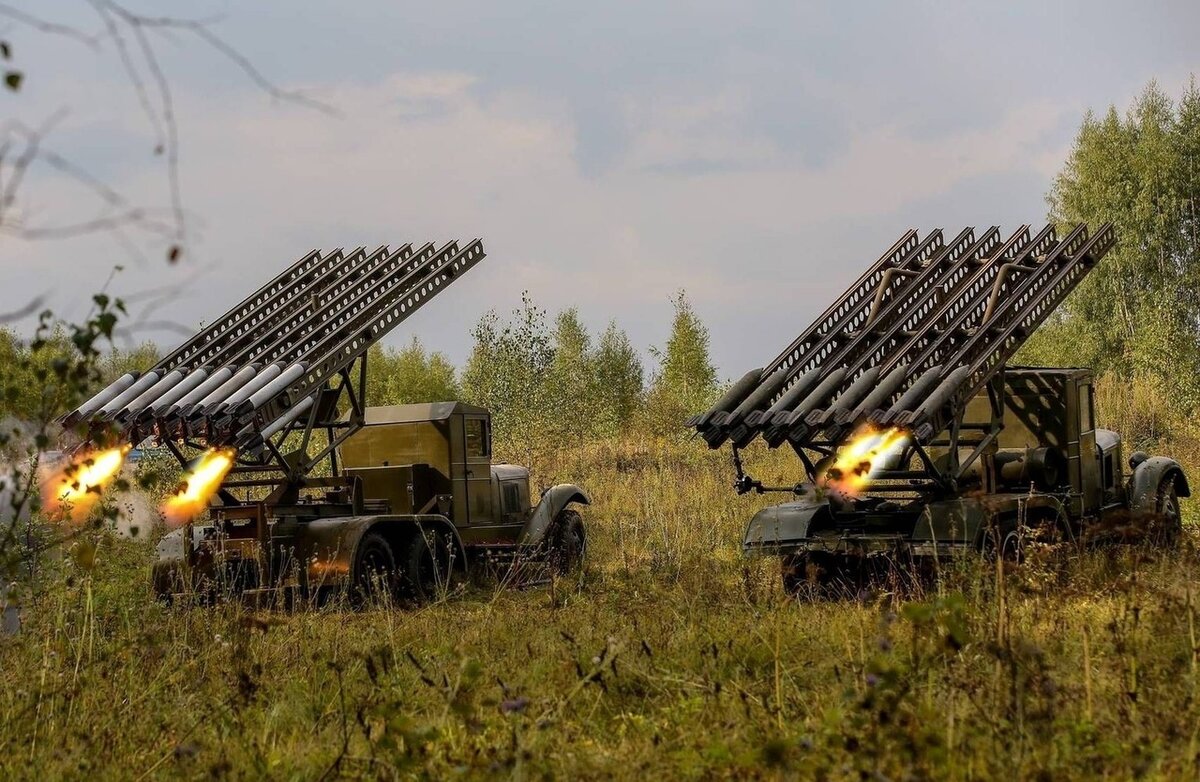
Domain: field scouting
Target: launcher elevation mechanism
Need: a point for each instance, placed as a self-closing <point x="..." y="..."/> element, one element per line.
<point x="291" y="358"/>
<point x="928" y="327"/>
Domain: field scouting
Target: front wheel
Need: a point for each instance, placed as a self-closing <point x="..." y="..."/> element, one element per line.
<point x="1005" y="540"/>
<point x="818" y="574"/>
<point x="568" y="542"/>
<point x="1168" y="527"/>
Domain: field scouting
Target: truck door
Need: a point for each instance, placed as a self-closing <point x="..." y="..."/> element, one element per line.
<point x="477" y="448"/>
<point x="1085" y="462"/>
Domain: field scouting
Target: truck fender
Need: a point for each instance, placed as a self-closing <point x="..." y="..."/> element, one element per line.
<point x="549" y="506"/>
<point x="1148" y="476"/>
<point x="329" y="546"/>
<point x="778" y="529"/>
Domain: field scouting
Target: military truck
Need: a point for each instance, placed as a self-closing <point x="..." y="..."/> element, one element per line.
<point x="419" y="504"/>
<point x="918" y="440"/>
<point x="294" y="485"/>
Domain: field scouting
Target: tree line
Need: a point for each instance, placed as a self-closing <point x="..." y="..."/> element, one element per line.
<point x="550" y="379"/>
<point x="544" y="379"/>
<point x="1135" y="319"/>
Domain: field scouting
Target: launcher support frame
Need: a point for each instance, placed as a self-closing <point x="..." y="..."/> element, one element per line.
<point x="934" y="480"/>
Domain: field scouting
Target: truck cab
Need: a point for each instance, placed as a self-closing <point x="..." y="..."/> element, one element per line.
<point x="437" y="457"/>
<point x="1049" y="442"/>
<point x="1048" y="439"/>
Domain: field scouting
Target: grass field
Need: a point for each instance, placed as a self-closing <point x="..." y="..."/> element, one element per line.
<point x="670" y="657"/>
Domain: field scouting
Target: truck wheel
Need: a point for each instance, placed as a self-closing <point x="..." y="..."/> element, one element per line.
<point x="1004" y="539"/>
<point x="427" y="565"/>
<point x="374" y="569"/>
<point x="814" y="574"/>
<point x="797" y="576"/>
<point x="1168" y="526"/>
<point x="568" y="542"/>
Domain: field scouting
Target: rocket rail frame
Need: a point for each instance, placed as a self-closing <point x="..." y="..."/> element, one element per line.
<point x="928" y="327"/>
<point x="289" y="360"/>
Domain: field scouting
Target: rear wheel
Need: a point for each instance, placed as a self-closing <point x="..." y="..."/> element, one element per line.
<point x="1004" y="539"/>
<point x="374" y="574"/>
<point x="1168" y="523"/>
<point x="428" y="565"/>
<point x="568" y="542"/>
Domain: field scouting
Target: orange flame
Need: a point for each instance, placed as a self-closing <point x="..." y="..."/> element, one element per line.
<point x="860" y="457"/>
<point x="70" y="492"/>
<point x="198" y="486"/>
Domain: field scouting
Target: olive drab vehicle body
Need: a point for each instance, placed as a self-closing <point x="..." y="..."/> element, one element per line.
<point x="416" y="476"/>
<point x="918" y="438"/>
<point x="1050" y="467"/>
<point x="320" y="492"/>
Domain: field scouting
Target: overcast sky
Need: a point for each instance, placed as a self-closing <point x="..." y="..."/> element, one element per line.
<point x="758" y="155"/>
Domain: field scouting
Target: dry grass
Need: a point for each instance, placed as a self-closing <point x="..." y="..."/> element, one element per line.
<point x="671" y="656"/>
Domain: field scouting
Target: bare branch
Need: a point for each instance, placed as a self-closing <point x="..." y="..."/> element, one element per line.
<point x="34" y="139"/>
<point x="30" y="308"/>
<point x="71" y="230"/>
<point x="168" y="114"/>
<point x="55" y="160"/>
<point x="121" y="22"/>
<point x="130" y="246"/>
<point x="200" y="29"/>
<point x="35" y="150"/>
<point x="52" y="28"/>
<point x="135" y="78"/>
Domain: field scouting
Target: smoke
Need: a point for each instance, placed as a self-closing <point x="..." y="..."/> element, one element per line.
<point x="137" y="514"/>
<point x="9" y="497"/>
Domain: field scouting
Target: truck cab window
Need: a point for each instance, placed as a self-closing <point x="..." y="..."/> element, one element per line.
<point x="478" y="444"/>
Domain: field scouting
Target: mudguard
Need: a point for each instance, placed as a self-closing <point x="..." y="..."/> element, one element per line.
<point x="1148" y="476"/>
<point x="775" y="529"/>
<point x="549" y="506"/>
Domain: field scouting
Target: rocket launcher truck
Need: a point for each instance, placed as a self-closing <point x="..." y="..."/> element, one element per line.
<point x="298" y="486"/>
<point x="916" y="436"/>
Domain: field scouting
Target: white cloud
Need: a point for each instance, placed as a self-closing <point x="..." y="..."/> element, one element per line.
<point x="429" y="155"/>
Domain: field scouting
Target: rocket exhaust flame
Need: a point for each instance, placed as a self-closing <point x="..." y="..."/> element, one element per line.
<point x="70" y="492"/>
<point x="859" y="458"/>
<point x="199" y="486"/>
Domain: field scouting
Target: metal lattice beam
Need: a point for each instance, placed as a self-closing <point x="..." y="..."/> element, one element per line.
<point x="925" y="329"/>
<point x="271" y="365"/>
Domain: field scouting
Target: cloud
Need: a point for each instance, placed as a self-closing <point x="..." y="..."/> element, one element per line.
<point x="698" y="200"/>
<point x="758" y="158"/>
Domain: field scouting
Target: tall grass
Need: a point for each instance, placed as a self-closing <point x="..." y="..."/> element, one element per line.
<point x="669" y="656"/>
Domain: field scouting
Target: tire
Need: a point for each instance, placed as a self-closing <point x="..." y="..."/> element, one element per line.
<point x="427" y="565"/>
<point x="1004" y="538"/>
<point x="374" y="574"/>
<point x="568" y="542"/>
<point x="797" y="575"/>
<point x="1168" y="520"/>
<point x="816" y="575"/>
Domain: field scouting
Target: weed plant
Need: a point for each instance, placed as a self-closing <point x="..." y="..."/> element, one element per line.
<point x="669" y="656"/>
